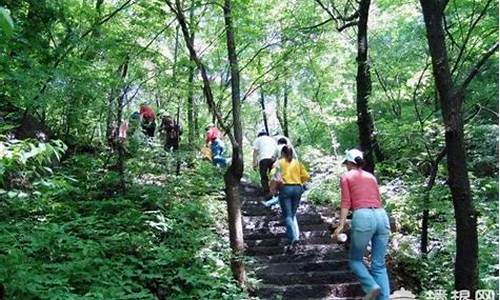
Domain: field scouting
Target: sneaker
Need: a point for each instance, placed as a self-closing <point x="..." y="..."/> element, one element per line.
<point x="373" y="294"/>
<point x="291" y="247"/>
<point x="295" y="247"/>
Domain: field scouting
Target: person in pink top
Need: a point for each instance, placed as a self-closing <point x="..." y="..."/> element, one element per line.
<point x="213" y="133"/>
<point x="370" y="223"/>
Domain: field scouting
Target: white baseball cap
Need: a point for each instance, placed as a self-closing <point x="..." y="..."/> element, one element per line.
<point x="350" y="155"/>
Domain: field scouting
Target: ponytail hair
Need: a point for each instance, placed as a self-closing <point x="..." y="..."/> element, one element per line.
<point x="287" y="152"/>
<point x="360" y="162"/>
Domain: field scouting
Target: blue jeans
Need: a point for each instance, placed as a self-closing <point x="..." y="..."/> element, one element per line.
<point x="217" y="148"/>
<point x="289" y="198"/>
<point x="274" y="200"/>
<point x="370" y="224"/>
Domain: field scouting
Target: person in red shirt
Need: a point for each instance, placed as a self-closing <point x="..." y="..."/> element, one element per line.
<point x="370" y="223"/>
<point x="147" y="116"/>
<point x="213" y="138"/>
<point x="213" y="133"/>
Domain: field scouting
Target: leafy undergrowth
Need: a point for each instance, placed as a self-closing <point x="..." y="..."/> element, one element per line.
<point x="75" y="237"/>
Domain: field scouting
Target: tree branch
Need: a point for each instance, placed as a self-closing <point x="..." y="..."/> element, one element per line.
<point x="347" y="25"/>
<point x="308" y="28"/>
<point x="155" y="37"/>
<point x="468" y="36"/>
<point x="326" y="9"/>
<point x="475" y="70"/>
<point x="207" y="90"/>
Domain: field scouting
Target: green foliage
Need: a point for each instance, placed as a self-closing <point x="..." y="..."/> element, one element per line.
<point x="6" y="22"/>
<point x="326" y="193"/>
<point x="68" y="242"/>
<point x="27" y="159"/>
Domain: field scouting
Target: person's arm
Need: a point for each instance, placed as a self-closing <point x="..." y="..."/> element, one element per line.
<point x="345" y="204"/>
<point x="255" y="159"/>
<point x="304" y="176"/>
<point x="207" y="138"/>
<point x="343" y="217"/>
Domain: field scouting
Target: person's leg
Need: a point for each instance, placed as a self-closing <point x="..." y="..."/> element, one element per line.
<point x="362" y="230"/>
<point x="297" y="193"/>
<point x="168" y="144"/>
<point x="264" y="180"/>
<point x="269" y="165"/>
<point x="380" y="241"/>
<point x="273" y="201"/>
<point x="286" y="211"/>
<point x="153" y="128"/>
<point x="213" y="150"/>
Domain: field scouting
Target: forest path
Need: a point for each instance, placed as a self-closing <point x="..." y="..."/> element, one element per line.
<point x="319" y="271"/>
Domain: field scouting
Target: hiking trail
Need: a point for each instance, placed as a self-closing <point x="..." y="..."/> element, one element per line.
<point x="319" y="271"/>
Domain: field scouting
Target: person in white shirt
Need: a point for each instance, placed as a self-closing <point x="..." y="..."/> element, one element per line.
<point x="284" y="141"/>
<point x="264" y="155"/>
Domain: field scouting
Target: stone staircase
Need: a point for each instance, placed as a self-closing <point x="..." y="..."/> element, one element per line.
<point x="319" y="271"/>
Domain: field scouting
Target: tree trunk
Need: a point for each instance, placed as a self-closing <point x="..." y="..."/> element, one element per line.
<point x="119" y="113"/>
<point x="190" y="102"/>
<point x="190" y="105"/>
<point x="109" y="119"/>
<point x="174" y="69"/>
<point x="451" y="101"/>
<point x="363" y="88"/>
<point x="424" y="237"/>
<point x="263" y="107"/>
<point x="235" y="172"/>
<point x="285" y="112"/>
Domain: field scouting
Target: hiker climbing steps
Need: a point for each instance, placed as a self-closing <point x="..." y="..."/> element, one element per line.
<point x="318" y="270"/>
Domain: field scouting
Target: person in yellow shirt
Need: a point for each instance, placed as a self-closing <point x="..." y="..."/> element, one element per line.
<point x="293" y="176"/>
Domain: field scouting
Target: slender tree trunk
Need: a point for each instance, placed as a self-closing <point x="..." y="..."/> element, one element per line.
<point x="424" y="237"/>
<point x="119" y="114"/>
<point x="263" y="107"/>
<point x="451" y="101"/>
<point x="190" y="106"/>
<point x="235" y="172"/>
<point x="110" y="114"/>
<point x="363" y="88"/>
<point x="190" y="100"/>
<point x="174" y="68"/>
<point x="285" y="112"/>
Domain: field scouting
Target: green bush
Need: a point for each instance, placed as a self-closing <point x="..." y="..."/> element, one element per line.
<point x="71" y="241"/>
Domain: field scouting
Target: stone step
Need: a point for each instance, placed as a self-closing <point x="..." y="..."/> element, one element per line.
<point x="280" y="228"/>
<point x="282" y="241"/>
<point x="314" y="277"/>
<point x="273" y="221"/>
<point x="258" y="209"/>
<point x="262" y="235"/>
<point x="309" y="257"/>
<point x="350" y="290"/>
<point x="305" y="218"/>
<point x="325" y="252"/>
<point x="248" y="189"/>
<point x="320" y="265"/>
